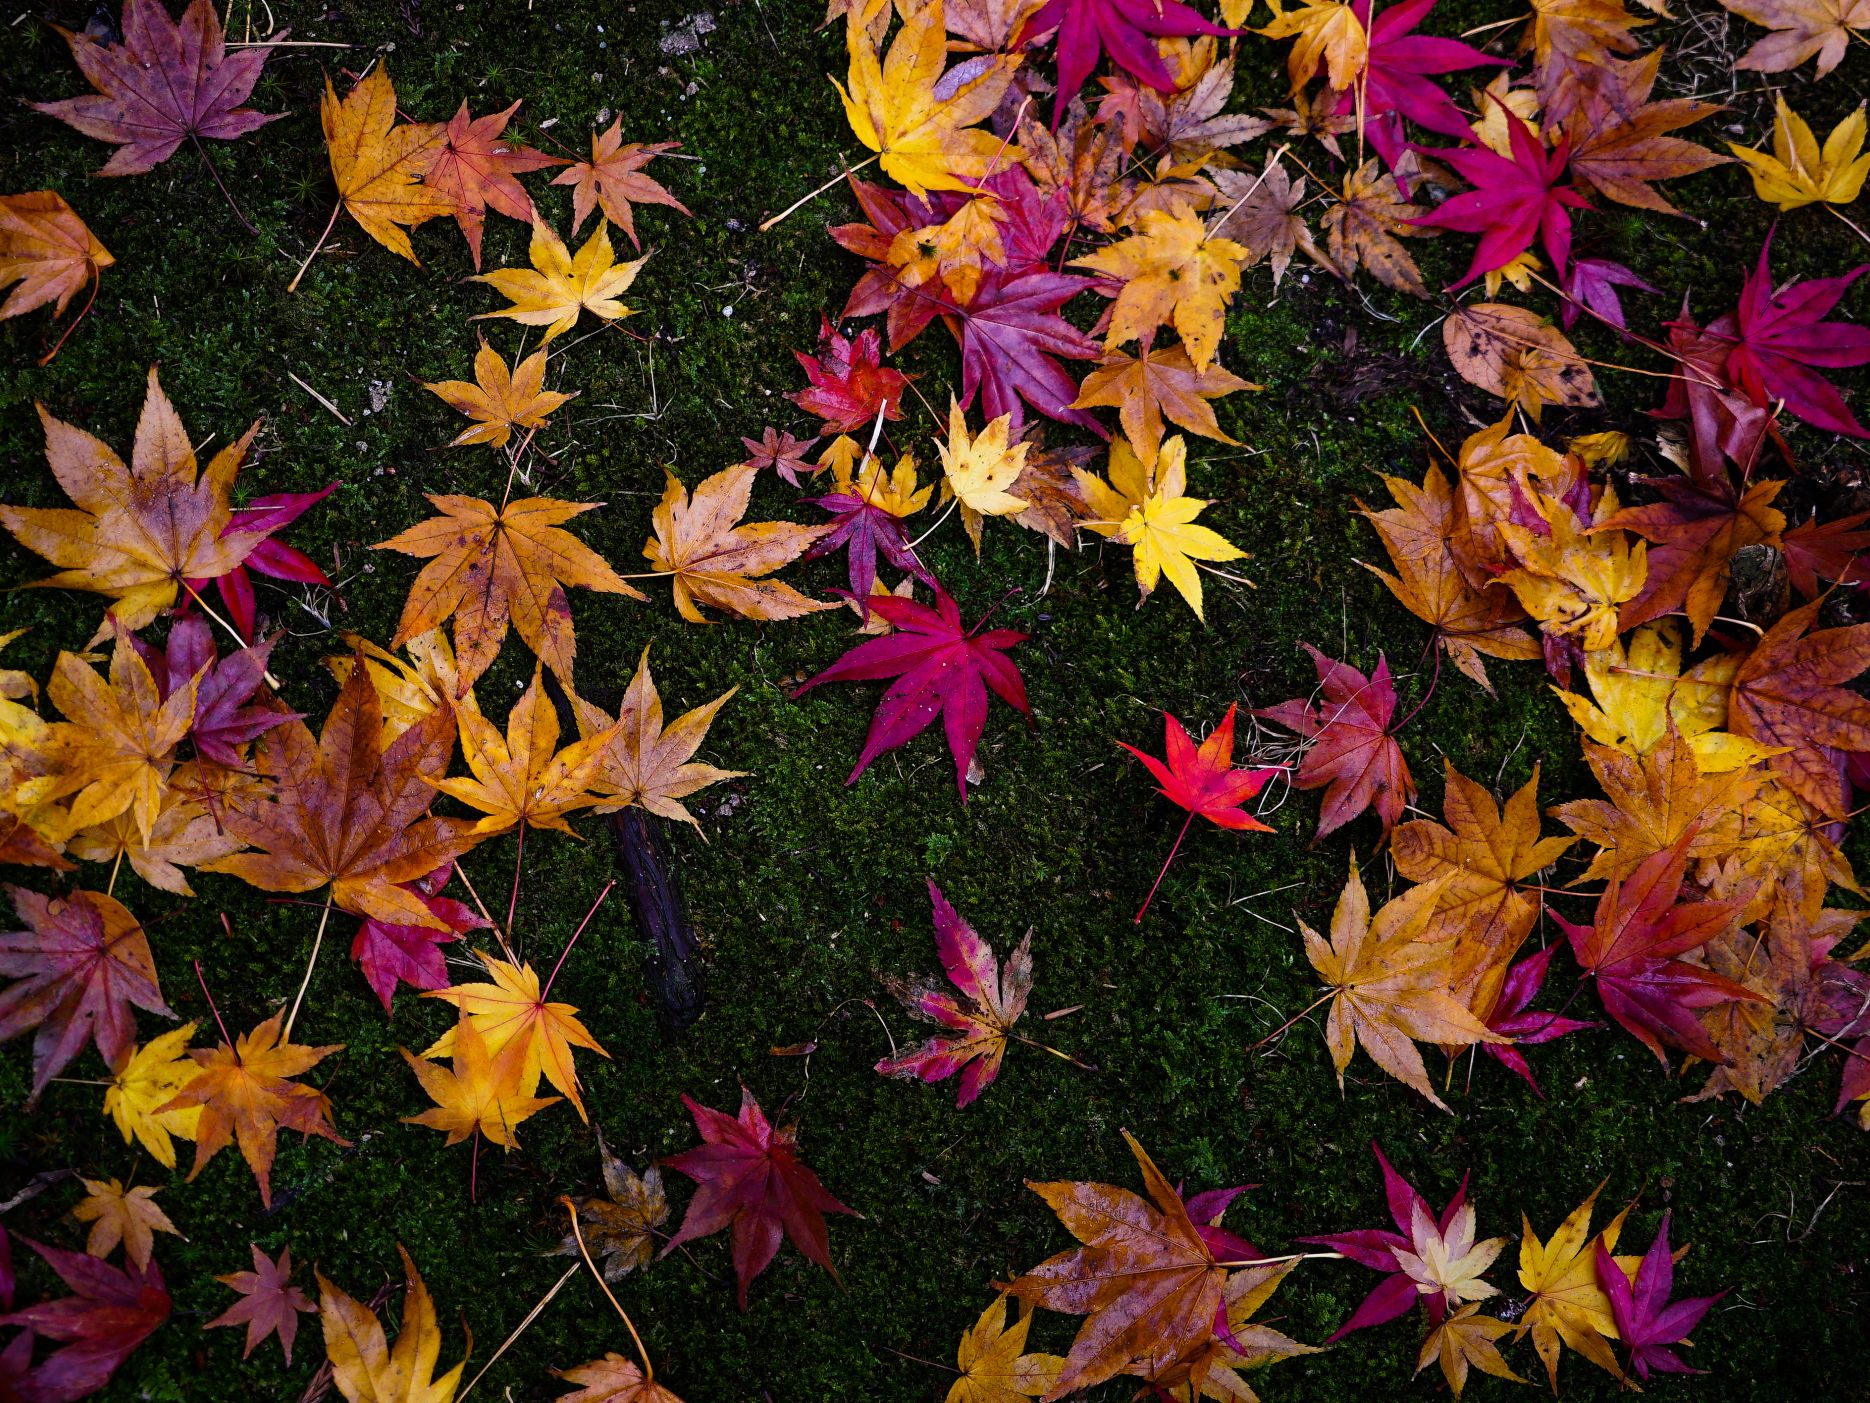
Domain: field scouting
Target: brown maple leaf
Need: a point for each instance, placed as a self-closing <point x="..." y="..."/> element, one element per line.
<point x="1620" y="142"/>
<point x="1694" y="533"/>
<point x="621" y="1229"/>
<point x="490" y="566"/>
<point x="1048" y="484"/>
<point x="642" y="763"/>
<point x="1148" y="386"/>
<point x="1366" y="227"/>
<point x="1518" y="355"/>
<point x="1082" y="163"/>
<point x="613" y="180"/>
<point x="476" y="171"/>
<point x="719" y="563"/>
<point x="1789" y="692"/>
<point x="1801" y="29"/>
<point x="348" y="812"/>
<point x="140" y="534"/>
<point x="500" y="400"/>
<point x="246" y="1092"/>
<point x="1263" y="215"/>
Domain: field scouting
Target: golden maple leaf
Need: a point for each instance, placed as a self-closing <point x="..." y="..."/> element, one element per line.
<point x="47" y="250"/>
<point x="1800" y="172"/>
<point x="902" y="106"/>
<point x="1173" y="272"/>
<point x="116" y="1214"/>
<point x="1567" y="1305"/>
<point x="993" y="1363"/>
<point x="500" y="400"/>
<point x="1366" y="226"/>
<point x="138" y="533"/>
<point x="1150" y="385"/>
<point x="1573" y="578"/>
<point x="523" y="778"/>
<point x="1388" y="986"/>
<point x="481" y="1095"/>
<point x="378" y="163"/>
<point x="185" y="834"/>
<point x="979" y="470"/>
<point x="1327" y="33"/>
<point x="1148" y="510"/>
<point x="560" y="285"/>
<point x="1466" y="1339"/>
<point x="513" y="1011"/>
<point x="147" y="1079"/>
<point x="364" y="1367"/>
<point x="643" y="764"/>
<point x="489" y="566"/>
<point x="714" y="561"/>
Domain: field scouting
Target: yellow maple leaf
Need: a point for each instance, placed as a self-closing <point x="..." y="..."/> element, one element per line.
<point x="714" y="558"/>
<point x="1799" y="172"/>
<point x="642" y="762"/>
<point x="957" y="250"/>
<point x="995" y="1367"/>
<point x="1327" y="32"/>
<point x="117" y="1214"/>
<point x="1173" y="272"/>
<point x="1148" y="510"/>
<point x="560" y="285"/>
<point x="901" y="108"/>
<point x="1567" y="1305"/>
<point x="500" y="400"/>
<point x="481" y="1095"/>
<point x="513" y="1009"/>
<point x="378" y="163"/>
<point x="148" y="1078"/>
<point x="1465" y="1339"/>
<point x="1573" y="579"/>
<point x="364" y="1367"/>
<point x="978" y="470"/>
<point x="117" y="745"/>
<point x="523" y="777"/>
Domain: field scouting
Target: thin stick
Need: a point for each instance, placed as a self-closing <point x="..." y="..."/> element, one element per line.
<point x="317" y="941"/>
<point x="1175" y="848"/>
<point x="293" y="286"/>
<point x="110" y="888"/>
<point x="1853" y="226"/>
<point x="1289" y="1257"/>
<point x="336" y="413"/>
<point x="796" y="205"/>
<point x="486" y="915"/>
<point x="211" y="1007"/>
<point x="232" y="632"/>
<point x="574" y="937"/>
<point x="232" y="204"/>
<point x="649" y="1372"/>
<point x="512" y="902"/>
<point x="519" y="1329"/>
<point x="953" y="502"/>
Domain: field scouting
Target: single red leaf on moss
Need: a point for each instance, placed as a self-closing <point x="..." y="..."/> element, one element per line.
<point x="849" y="381"/>
<point x="1514" y="201"/>
<point x="1353" y="755"/>
<point x="476" y="168"/>
<point x="110" y="1312"/>
<point x="269" y="1303"/>
<point x="1648" y="1322"/>
<point x="1781" y="342"/>
<point x="748" y="1177"/>
<point x="1633" y="948"/>
<point x="389" y="952"/>
<point x="1203" y="780"/>
<point x="1510" y="1018"/>
<point x="940" y="670"/>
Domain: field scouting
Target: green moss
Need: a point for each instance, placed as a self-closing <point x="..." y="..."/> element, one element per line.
<point x="805" y="890"/>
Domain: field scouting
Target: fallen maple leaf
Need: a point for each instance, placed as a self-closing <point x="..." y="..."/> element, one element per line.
<point x="248" y="1091"/>
<point x="516" y="1020"/>
<point x="489" y="566"/>
<point x="979" y="1033"/>
<point x="849" y="383"/>
<point x="1124" y="29"/>
<point x="523" y="778"/>
<point x="559" y="285"/>
<point x="1647" y="1321"/>
<point x="119" y="1215"/>
<point x="1011" y="338"/>
<point x="1515" y="200"/>
<point x="714" y="558"/>
<point x="978" y="470"/>
<point x="1569" y="573"/>
<point x="500" y="400"/>
<point x="1798" y="172"/>
<point x="644" y="764"/>
<point x="621" y="1229"/>
<point x="780" y="451"/>
<point x="225" y="717"/>
<point x="1523" y="1028"/>
<point x="391" y="952"/>
<point x="1078" y="164"/>
<point x="476" y="171"/>
<point x="48" y="251"/>
<point x="1694" y="532"/>
<point x="364" y="1367"/>
<point x="867" y="520"/>
<point x="1328" y="35"/>
<point x="162" y="85"/>
<point x="1466" y="1339"/>
<point x="268" y="515"/>
<point x="378" y="163"/>
<point x="940" y="669"/>
<point x="993" y="1363"/>
<point x="147" y="1078"/>
<point x="483" y="1096"/>
<point x="1146" y="387"/>
<point x="1567" y="1305"/>
<point x="1619" y="141"/>
<point x="1518" y="355"/>
<point x="1173" y="271"/>
<point x="1263" y="216"/>
<point x="110" y="1312"/>
<point x="1365" y="228"/>
<point x="1147" y="508"/>
<point x="1591" y="284"/>
<point x="80" y="965"/>
<point x="1395" y="85"/>
<point x="1801" y="29"/>
<point x="269" y="1303"/>
<point x="1353" y="755"/>
<point x="1780" y="341"/>
<point x="613" y="180"/>
<point x="139" y="531"/>
<point x="748" y="1175"/>
<point x="1789" y="691"/>
<point x="613" y="1379"/>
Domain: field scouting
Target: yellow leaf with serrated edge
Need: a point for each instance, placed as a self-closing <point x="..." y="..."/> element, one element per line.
<point x="560" y="285"/>
<point x="1149" y="511"/>
<point x="1799" y="172"/>
<point x="365" y="1368"/>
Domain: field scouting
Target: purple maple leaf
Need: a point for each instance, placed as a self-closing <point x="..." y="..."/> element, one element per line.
<point x="1124" y="29"/>
<point x="388" y="952"/>
<point x="1591" y="285"/>
<point x="1781" y="341"/>
<point x="1510" y="1019"/>
<point x="223" y="717"/>
<point x="1396" y="77"/>
<point x="110" y="1312"/>
<point x="1011" y="337"/>
<point x="1647" y="1320"/>
<point x="863" y="530"/>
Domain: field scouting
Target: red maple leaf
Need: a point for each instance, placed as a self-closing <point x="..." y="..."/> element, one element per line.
<point x="1125" y="29"/>
<point x="1353" y="746"/>
<point x="1833" y="550"/>
<point x="779" y="450"/>
<point x="940" y="670"/>
<point x="224" y="687"/>
<point x="1011" y="337"/>
<point x="1781" y="342"/>
<point x="163" y="85"/>
<point x="269" y="1303"/>
<point x="1648" y="1322"/>
<point x="388" y="952"/>
<point x="82" y="962"/>
<point x="1512" y="203"/>
<point x="1396" y="86"/>
<point x="1632" y="947"/>
<point x="110" y="1312"/>
<point x="880" y="289"/>
<point x="477" y="171"/>
<point x="1510" y="1018"/>
<point x="1203" y="780"/>
<point x="271" y="514"/>
<point x="849" y="382"/>
<point x="748" y="1175"/>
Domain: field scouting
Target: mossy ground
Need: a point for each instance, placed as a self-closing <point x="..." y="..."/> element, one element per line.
<point x="805" y="889"/>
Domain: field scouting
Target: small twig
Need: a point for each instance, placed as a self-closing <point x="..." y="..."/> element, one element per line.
<point x="649" y="1372"/>
<point x="798" y="204"/>
<point x="293" y="286"/>
<point x="336" y="413"/>
<point x="519" y="1329"/>
<point x="318" y="941"/>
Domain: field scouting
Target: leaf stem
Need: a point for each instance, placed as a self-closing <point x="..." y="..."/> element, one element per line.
<point x="574" y="937"/>
<point x="318" y="941"/>
<point x="804" y="200"/>
<point x="512" y="901"/>
<point x="227" y="194"/>
<point x="72" y="326"/>
<point x="293" y="286"/>
<point x="211" y="1005"/>
<point x="1175" y="848"/>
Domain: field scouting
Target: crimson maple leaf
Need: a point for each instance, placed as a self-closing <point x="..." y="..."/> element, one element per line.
<point x="940" y="670"/>
<point x="110" y="1312"/>
<point x="849" y="382"/>
<point x="224" y="687"/>
<point x="1648" y="1322"/>
<point x="1203" y="780"/>
<point x="1125" y="29"/>
<point x="1832" y="550"/>
<point x="1632" y="948"/>
<point x="476" y="170"/>
<point x="81" y="964"/>
<point x="1011" y="337"/>
<point x="271" y="514"/>
<point x="1353" y="746"/>
<point x="1513" y="202"/>
<point x="388" y="952"/>
<point x="748" y="1175"/>
<point x="1510" y="1018"/>
<point x="1781" y="341"/>
<point x="1396" y="86"/>
<point x="163" y="85"/>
